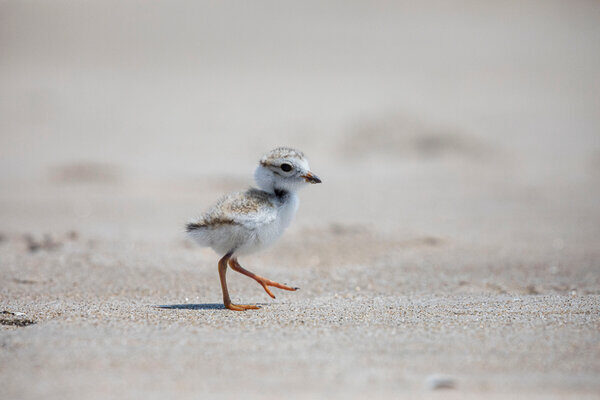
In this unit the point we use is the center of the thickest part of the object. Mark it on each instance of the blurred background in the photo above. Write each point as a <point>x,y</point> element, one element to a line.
<point>458,143</point>
<point>394,92</point>
<point>445,118</point>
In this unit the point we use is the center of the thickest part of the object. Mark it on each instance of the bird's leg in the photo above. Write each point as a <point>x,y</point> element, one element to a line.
<point>264,282</point>
<point>226,300</point>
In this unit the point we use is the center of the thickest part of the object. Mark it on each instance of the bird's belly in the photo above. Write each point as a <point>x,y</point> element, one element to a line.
<point>261,237</point>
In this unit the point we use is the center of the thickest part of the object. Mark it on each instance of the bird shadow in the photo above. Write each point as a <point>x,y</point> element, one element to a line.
<point>205,306</point>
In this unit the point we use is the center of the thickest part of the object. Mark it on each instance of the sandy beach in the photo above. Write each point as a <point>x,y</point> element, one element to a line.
<point>451,251</point>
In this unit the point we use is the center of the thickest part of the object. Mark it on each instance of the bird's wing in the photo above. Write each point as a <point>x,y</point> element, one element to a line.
<point>250,209</point>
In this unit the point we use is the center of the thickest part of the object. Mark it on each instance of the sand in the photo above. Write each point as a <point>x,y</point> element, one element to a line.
<point>450,252</point>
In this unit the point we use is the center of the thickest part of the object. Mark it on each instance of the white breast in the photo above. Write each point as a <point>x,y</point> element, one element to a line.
<point>287,211</point>
<point>267,234</point>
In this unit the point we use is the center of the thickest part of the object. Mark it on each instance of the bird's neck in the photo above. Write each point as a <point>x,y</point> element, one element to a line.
<point>266,181</point>
<point>281,194</point>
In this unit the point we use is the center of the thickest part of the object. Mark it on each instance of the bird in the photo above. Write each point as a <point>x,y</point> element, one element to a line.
<point>242,223</point>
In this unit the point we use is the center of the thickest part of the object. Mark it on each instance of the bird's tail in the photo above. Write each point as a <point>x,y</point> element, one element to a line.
<point>198,233</point>
<point>192,226</point>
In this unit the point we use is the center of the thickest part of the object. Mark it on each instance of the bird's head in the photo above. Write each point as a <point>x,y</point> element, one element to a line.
<point>284,169</point>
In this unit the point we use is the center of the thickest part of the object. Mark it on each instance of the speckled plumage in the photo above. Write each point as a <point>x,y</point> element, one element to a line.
<point>236,208</point>
<point>275,156</point>
<point>244,222</point>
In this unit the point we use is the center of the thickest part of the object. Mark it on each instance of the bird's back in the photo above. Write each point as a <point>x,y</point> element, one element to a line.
<point>240,221</point>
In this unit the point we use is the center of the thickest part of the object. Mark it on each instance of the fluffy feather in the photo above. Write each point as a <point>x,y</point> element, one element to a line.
<point>245,222</point>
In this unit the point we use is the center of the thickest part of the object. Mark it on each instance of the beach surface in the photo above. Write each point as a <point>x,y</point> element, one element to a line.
<point>452,250</point>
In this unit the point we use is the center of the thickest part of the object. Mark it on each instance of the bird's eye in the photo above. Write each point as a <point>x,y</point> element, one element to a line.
<point>286,167</point>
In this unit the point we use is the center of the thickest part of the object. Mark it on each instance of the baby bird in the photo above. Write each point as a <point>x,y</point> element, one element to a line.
<point>245,222</point>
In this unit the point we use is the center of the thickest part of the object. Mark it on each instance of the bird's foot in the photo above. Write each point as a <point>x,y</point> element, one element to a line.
<point>241,307</point>
<point>265,283</point>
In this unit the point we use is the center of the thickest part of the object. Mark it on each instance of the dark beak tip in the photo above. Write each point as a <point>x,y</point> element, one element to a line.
<point>311,178</point>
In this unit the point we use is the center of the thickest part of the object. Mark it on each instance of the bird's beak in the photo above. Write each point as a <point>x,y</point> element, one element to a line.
<point>311,178</point>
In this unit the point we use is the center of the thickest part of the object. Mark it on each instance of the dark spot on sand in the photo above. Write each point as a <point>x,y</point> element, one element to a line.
<point>431,241</point>
<point>531,289</point>
<point>16,322</point>
<point>86,172</point>
<point>495,287</point>
<point>399,135</point>
<point>440,382</point>
<point>24,281</point>
<point>46,243</point>
<point>12,319</point>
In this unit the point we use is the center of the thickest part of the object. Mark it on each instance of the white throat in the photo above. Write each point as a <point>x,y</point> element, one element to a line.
<point>287,198</point>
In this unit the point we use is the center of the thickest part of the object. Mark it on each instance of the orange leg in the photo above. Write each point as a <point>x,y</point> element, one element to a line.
<point>226,300</point>
<point>264,282</point>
